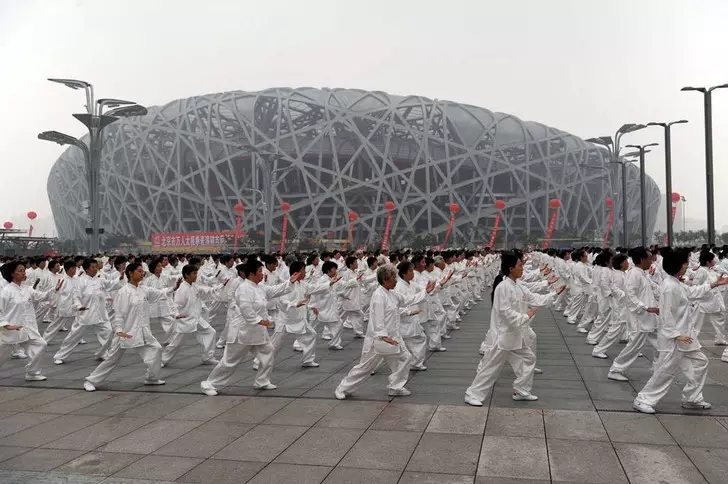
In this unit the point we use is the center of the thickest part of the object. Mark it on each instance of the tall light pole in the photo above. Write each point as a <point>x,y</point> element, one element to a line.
<point>668,174</point>
<point>613,146</point>
<point>684,201</point>
<point>643,202</point>
<point>708,108</point>
<point>95,120</point>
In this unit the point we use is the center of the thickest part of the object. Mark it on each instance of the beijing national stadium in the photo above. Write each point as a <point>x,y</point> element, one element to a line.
<point>328,152</point>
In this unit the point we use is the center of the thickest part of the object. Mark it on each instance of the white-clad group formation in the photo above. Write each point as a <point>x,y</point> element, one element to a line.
<point>401,304</point>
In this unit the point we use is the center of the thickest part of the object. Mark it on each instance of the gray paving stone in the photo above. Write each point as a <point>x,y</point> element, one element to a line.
<point>21,421</point>
<point>161,406</point>
<point>381,449</point>
<point>514,457</point>
<point>711,462</point>
<point>362,476</point>
<point>320,447</point>
<point>36,399</point>
<point>564,424</point>
<point>40,460</point>
<point>635,428</point>
<point>254,410</point>
<point>515,422</point>
<point>695,431</point>
<point>451,419</point>
<point>431,478</point>
<point>262,443</point>
<point>204,440</point>
<point>98,463</point>
<point>302,412</point>
<point>584,461</point>
<point>9,452</point>
<point>222,472</point>
<point>12,393</point>
<point>158,467</point>
<point>205,408</point>
<point>507,480</point>
<point>282,473</point>
<point>49,431</point>
<point>446,454</point>
<point>352,415</point>
<point>151,437</point>
<point>96,435</point>
<point>657,463</point>
<point>118,403</point>
<point>72,403</point>
<point>404,416</point>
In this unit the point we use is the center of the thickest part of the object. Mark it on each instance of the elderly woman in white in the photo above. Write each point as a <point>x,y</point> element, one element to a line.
<point>508,337</point>
<point>414,316</point>
<point>677,340</point>
<point>383,341</point>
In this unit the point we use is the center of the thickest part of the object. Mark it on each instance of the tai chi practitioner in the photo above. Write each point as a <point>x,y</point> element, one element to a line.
<point>508,335</point>
<point>578,286</point>
<point>249,330</point>
<point>620,315</point>
<point>18,325</point>
<point>642,305</point>
<point>64,313</point>
<point>678,345</point>
<point>327,303</point>
<point>710,308</point>
<point>411,319</point>
<point>190,318</point>
<point>383,341</point>
<point>162,311</point>
<point>132,329</point>
<point>351,303</point>
<point>603,289</point>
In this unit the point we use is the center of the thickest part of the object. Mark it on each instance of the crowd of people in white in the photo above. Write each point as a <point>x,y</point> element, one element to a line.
<point>402,305</point>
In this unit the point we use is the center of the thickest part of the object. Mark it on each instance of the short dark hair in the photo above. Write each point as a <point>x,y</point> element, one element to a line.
<point>617,261</point>
<point>251,267</point>
<point>673,262</point>
<point>295,267</point>
<point>187,270</point>
<point>131,268</point>
<point>350,260</point>
<point>638,254</point>
<point>87,263</point>
<point>68,264</point>
<point>403,268</point>
<point>705,257</point>
<point>9,268</point>
<point>328,265</point>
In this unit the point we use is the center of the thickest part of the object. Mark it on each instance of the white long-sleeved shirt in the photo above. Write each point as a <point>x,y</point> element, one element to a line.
<point>132,313</point>
<point>17,307</point>
<point>676,315</point>
<point>251,307</point>
<point>189,304</point>
<point>91,293</point>
<point>639,297</point>
<point>385,315</point>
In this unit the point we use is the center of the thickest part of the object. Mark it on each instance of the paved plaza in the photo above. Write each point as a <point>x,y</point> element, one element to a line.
<point>581,430</point>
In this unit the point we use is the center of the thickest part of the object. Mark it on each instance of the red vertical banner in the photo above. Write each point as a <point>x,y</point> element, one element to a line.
<point>389,206</point>
<point>31,215</point>
<point>285,206</point>
<point>353,217</point>
<point>554,204</point>
<point>454,209</point>
<point>675,197</point>
<point>610,222</point>
<point>239,209</point>
<point>500,205</point>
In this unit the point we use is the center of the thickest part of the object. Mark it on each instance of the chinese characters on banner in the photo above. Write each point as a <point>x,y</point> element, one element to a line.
<point>494,234</point>
<point>192,241</point>
<point>551,228</point>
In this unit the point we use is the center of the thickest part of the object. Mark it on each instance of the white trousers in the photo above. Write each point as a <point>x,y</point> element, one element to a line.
<point>231,358</point>
<point>433,329</point>
<point>167,323</point>
<point>399,364</point>
<point>150,353</point>
<point>104,335</point>
<point>630,353</point>
<point>717,320</point>
<point>306,340</point>
<point>33,348</point>
<point>523,362</point>
<point>355,319</point>
<point>613,335</point>
<point>205,337</point>
<point>417,346</point>
<point>56,325</point>
<point>693,364</point>
<point>334,330</point>
<point>601,324</point>
<point>576,307</point>
<point>589,314</point>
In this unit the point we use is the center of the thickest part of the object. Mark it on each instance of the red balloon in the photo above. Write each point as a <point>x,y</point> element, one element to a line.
<point>239,208</point>
<point>500,204</point>
<point>32,215</point>
<point>555,203</point>
<point>609,202</point>
<point>285,206</point>
<point>389,205</point>
<point>8,225</point>
<point>675,197</point>
<point>454,208</point>
<point>353,216</point>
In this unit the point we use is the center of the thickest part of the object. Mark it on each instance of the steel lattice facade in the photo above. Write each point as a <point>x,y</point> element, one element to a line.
<point>183,166</point>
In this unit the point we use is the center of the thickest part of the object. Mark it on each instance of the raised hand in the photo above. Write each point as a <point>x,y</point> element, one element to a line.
<point>389,340</point>
<point>532,312</point>
<point>13,327</point>
<point>561,289</point>
<point>123,335</point>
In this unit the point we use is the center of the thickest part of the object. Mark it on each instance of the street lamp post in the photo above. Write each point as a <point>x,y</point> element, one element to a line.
<point>708,109</point>
<point>668,174</point>
<point>612,145</point>
<point>95,120</point>
<point>643,202</point>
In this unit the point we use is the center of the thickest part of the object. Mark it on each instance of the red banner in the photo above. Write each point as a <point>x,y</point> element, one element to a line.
<point>192,241</point>
<point>350,238</point>
<point>30,230</point>
<point>674,211</point>
<point>551,228</point>
<point>284,232</point>
<point>385,239</point>
<point>493,235</point>
<point>450,226</point>
<point>610,224</point>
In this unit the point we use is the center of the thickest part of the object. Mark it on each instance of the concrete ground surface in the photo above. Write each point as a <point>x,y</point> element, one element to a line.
<point>581,430</point>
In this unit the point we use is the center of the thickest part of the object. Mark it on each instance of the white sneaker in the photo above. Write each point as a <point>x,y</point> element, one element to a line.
<point>336,348</point>
<point>88,386</point>
<point>446,336</point>
<point>358,335</point>
<point>538,371</point>
<point>592,343</point>
<point>211,361</point>
<point>219,346</point>
<point>642,407</point>
<point>208,389</point>
<point>324,337</point>
<point>297,346</point>
<point>348,325</point>
<point>57,362</point>
<point>697,405</point>
<point>35,378</point>
<point>82,342</point>
<point>154,382</point>
<point>524,398</point>
<point>616,376</point>
<point>418,368</point>
<point>339,394</point>
<point>720,342</point>
<point>256,366</point>
<point>18,355</point>
<point>601,356</point>
<point>581,330</point>
<point>400,392</point>
<point>440,349</point>
<point>268,386</point>
<point>473,401</point>
<point>312,364</point>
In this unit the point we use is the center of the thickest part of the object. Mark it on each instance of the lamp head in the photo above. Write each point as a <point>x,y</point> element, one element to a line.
<point>72,83</point>
<point>690,88</point>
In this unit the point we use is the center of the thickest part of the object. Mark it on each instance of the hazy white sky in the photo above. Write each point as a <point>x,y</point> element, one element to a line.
<point>583,66</point>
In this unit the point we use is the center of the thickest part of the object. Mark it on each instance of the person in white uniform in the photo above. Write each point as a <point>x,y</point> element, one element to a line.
<point>620,315</point>
<point>65,313</point>
<point>678,345</point>
<point>132,329</point>
<point>711,308</point>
